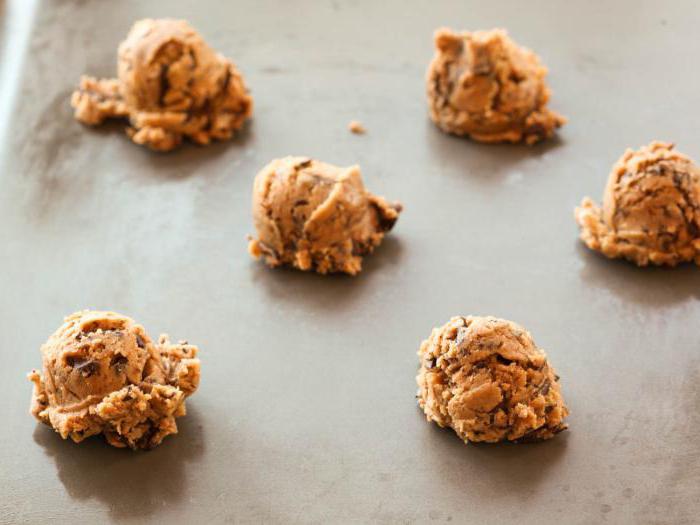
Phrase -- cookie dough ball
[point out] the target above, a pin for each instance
(316, 216)
(651, 209)
(484, 85)
(485, 378)
(170, 85)
(103, 374)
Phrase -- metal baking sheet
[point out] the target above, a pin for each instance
(306, 411)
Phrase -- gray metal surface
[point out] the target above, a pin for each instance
(306, 410)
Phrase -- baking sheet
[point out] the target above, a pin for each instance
(306, 410)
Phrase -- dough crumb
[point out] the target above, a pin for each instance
(486, 379)
(171, 85)
(356, 127)
(102, 374)
(651, 209)
(485, 86)
(316, 216)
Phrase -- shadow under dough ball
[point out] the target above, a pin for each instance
(171, 85)
(102, 374)
(485, 86)
(485, 378)
(651, 209)
(316, 216)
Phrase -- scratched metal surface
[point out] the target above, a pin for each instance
(305, 412)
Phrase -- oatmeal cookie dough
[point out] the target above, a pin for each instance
(485, 378)
(651, 209)
(316, 216)
(485, 86)
(103, 374)
(171, 85)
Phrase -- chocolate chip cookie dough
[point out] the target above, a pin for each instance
(651, 209)
(485, 378)
(103, 374)
(316, 216)
(484, 85)
(170, 85)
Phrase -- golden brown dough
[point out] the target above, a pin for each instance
(651, 209)
(103, 374)
(316, 216)
(170, 85)
(484, 85)
(485, 378)
(355, 126)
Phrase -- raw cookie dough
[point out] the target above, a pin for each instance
(316, 216)
(485, 378)
(651, 209)
(103, 374)
(171, 85)
(484, 85)
(355, 126)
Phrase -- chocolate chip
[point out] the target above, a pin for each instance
(515, 77)
(164, 83)
(227, 80)
(503, 360)
(118, 362)
(430, 363)
(139, 341)
(560, 428)
(531, 436)
(85, 366)
(537, 130)
(145, 440)
(88, 368)
(360, 248)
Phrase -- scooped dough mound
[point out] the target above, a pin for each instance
(103, 374)
(651, 209)
(485, 378)
(484, 85)
(316, 216)
(170, 85)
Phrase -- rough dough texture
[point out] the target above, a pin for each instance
(484, 85)
(485, 378)
(171, 85)
(103, 374)
(651, 209)
(316, 216)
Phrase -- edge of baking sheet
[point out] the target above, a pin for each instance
(17, 17)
